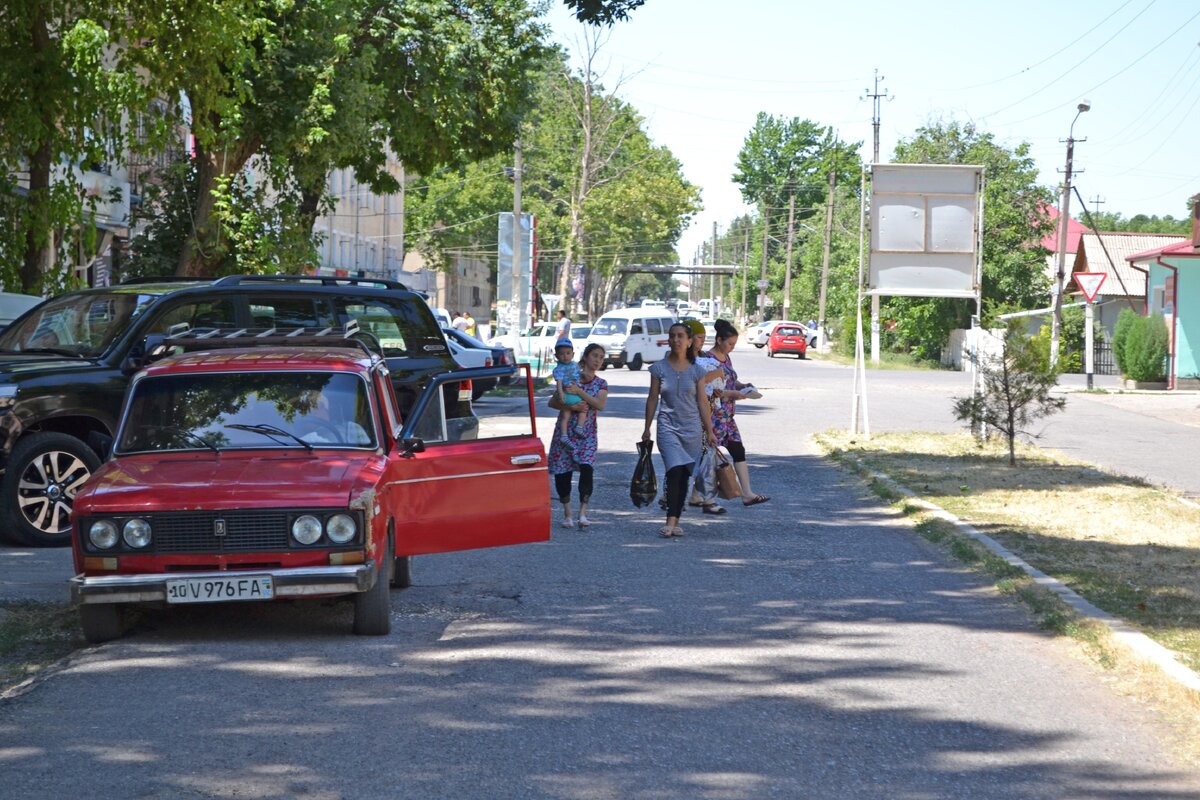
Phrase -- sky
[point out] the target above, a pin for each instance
(700, 71)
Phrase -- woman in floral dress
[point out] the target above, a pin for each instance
(724, 425)
(577, 451)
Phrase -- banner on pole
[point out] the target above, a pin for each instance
(925, 230)
(507, 316)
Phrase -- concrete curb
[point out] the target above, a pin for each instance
(1137, 643)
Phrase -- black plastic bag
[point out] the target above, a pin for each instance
(643, 488)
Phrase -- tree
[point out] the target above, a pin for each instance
(790, 159)
(60, 108)
(309, 86)
(604, 12)
(1014, 222)
(1016, 391)
(634, 211)
(1109, 221)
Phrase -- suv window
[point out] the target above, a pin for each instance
(400, 327)
(205, 314)
(290, 312)
(653, 326)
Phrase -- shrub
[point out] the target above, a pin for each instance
(1125, 320)
(1145, 349)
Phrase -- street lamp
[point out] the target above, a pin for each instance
(1064, 215)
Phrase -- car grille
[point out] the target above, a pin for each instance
(245, 531)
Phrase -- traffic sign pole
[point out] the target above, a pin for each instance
(1089, 283)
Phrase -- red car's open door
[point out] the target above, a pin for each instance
(447, 492)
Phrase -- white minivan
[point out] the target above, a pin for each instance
(632, 336)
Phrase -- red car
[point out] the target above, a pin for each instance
(286, 472)
(787, 338)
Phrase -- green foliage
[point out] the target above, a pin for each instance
(1070, 344)
(1013, 225)
(1146, 349)
(1125, 322)
(602, 12)
(1016, 392)
(1141, 223)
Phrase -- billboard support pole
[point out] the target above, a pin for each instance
(859, 403)
(874, 329)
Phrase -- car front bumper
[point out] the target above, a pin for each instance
(291, 582)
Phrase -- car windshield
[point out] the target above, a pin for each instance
(787, 332)
(608, 327)
(222, 410)
(580, 331)
(83, 324)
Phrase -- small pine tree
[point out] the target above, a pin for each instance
(1016, 391)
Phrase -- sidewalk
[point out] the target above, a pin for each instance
(39, 574)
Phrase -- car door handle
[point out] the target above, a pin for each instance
(526, 461)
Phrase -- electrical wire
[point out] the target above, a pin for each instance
(1077, 65)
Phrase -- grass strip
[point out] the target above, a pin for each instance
(32, 636)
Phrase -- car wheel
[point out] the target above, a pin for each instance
(101, 622)
(760, 346)
(770, 353)
(373, 608)
(802, 355)
(402, 572)
(636, 363)
(44, 472)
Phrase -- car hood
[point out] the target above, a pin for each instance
(204, 481)
(17, 365)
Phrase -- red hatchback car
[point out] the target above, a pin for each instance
(286, 472)
(788, 339)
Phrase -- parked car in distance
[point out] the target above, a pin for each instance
(535, 342)
(65, 365)
(264, 469)
(788, 337)
(759, 334)
(470, 352)
(684, 309)
(13, 305)
(632, 336)
(579, 334)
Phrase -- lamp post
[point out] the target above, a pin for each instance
(1064, 215)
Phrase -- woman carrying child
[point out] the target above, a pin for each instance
(578, 451)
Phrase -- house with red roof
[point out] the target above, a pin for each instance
(1173, 290)
(1124, 286)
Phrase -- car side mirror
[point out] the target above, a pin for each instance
(411, 445)
(150, 348)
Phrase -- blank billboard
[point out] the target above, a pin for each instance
(924, 229)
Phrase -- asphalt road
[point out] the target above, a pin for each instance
(810, 647)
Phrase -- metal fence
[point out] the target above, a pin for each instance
(1103, 362)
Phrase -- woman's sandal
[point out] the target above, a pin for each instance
(667, 531)
(753, 501)
(714, 509)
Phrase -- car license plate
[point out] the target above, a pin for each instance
(213, 590)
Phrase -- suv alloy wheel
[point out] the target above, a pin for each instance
(41, 478)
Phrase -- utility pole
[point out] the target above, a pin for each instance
(875, 98)
(762, 303)
(400, 235)
(1064, 217)
(745, 275)
(712, 276)
(1097, 201)
(517, 306)
(787, 274)
(825, 260)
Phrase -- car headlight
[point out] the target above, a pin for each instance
(136, 533)
(103, 534)
(306, 529)
(341, 528)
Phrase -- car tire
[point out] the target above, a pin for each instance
(802, 355)
(636, 363)
(373, 608)
(402, 572)
(770, 353)
(101, 622)
(56, 465)
(760, 346)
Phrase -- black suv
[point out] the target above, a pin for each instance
(65, 364)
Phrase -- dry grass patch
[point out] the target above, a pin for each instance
(1129, 548)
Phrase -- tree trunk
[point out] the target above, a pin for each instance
(310, 206)
(38, 236)
(203, 251)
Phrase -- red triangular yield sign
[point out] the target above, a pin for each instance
(1089, 283)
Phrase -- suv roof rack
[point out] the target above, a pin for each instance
(351, 335)
(162, 279)
(323, 280)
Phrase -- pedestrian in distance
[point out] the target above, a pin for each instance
(727, 396)
(562, 329)
(678, 403)
(470, 329)
(566, 388)
(567, 457)
(460, 322)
